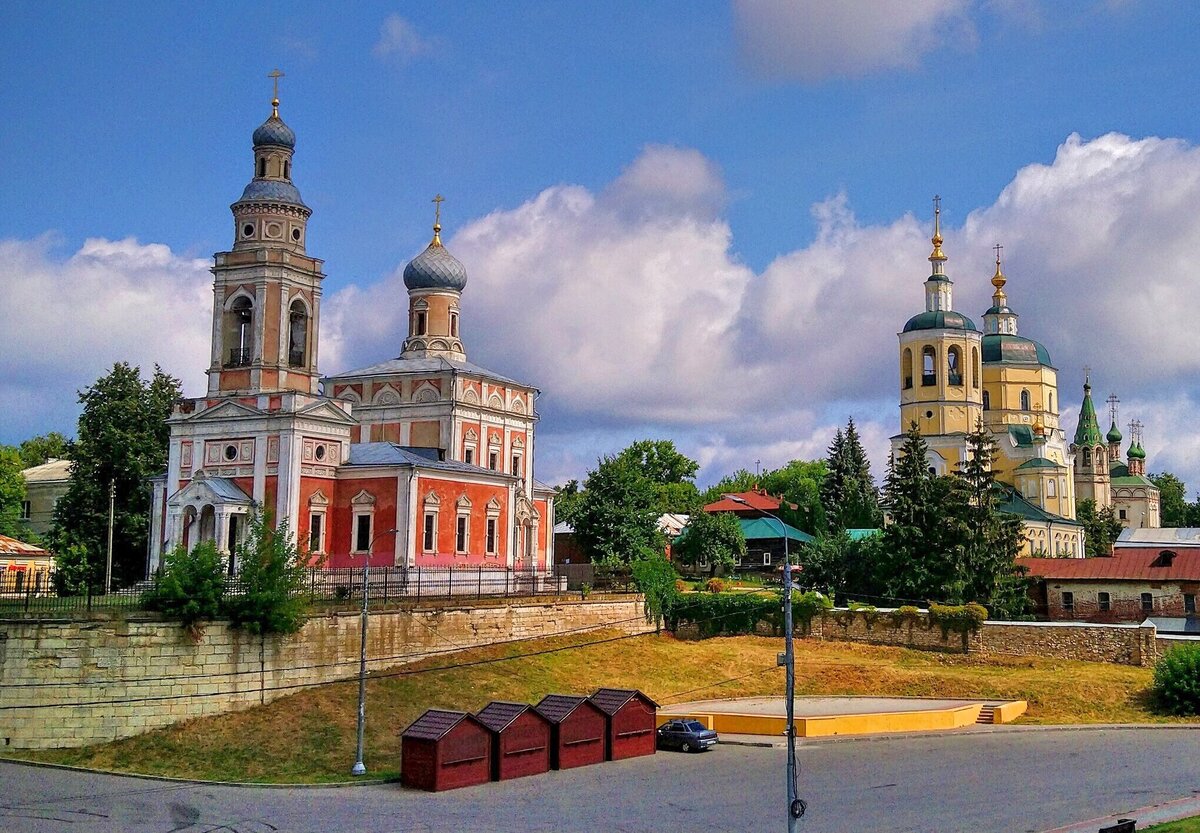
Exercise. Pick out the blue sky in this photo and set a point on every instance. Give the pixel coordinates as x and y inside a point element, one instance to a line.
<point>759,173</point>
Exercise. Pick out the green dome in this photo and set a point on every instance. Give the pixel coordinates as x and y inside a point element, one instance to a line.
<point>1007,349</point>
<point>1137,452</point>
<point>1114,434</point>
<point>939,320</point>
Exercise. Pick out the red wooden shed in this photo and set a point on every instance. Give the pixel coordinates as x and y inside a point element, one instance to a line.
<point>520,739</point>
<point>579,729</point>
<point>632,721</point>
<point>444,750</point>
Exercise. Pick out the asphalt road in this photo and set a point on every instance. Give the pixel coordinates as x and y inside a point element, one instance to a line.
<point>1007,781</point>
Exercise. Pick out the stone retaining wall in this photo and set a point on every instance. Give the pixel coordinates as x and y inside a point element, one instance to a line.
<point>70,683</point>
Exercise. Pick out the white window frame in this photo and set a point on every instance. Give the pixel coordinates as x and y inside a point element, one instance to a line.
<point>462,532</point>
<point>320,516</point>
<point>359,516</point>
<point>429,530</point>
<point>362,506</point>
<point>766,559</point>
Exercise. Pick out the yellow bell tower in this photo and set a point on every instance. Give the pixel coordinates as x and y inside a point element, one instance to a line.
<point>940,375</point>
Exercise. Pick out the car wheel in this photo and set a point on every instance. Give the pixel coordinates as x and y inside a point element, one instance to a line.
<point>686,747</point>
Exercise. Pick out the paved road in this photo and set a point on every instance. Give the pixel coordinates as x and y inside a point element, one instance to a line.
<point>1007,781</point>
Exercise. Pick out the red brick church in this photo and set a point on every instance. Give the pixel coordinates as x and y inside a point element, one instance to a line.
<point>427,444</point>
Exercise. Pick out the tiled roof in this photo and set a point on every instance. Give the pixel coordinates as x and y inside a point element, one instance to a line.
<point>1012,503</point>
<point>1127,563</point>
<point>435,365</point>
<point>756,498</point>
<point>558,707</point>
<point>435,723</point>
<point>497,715</point>
<point>11,546</point>
<point>610,700</point>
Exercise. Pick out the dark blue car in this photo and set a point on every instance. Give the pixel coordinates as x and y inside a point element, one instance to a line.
<point>686,735</point>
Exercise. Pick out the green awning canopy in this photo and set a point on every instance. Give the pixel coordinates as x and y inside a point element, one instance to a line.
<point>758,529</point>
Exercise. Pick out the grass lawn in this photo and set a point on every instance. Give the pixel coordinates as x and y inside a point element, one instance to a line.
<point>1191,825</point>
<point>310,736</point>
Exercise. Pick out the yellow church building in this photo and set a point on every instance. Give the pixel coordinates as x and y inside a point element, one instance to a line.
<point>953,376</point>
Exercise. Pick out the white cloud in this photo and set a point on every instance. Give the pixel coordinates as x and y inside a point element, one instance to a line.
<point>812,40</point>
<point>399,39</point>
<point>69,320</point>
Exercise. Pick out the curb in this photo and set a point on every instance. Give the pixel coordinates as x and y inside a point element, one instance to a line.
<point>170,779</point>
<point>1180,808</point>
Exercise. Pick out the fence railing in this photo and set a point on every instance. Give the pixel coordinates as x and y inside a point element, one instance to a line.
<point>337,585</point>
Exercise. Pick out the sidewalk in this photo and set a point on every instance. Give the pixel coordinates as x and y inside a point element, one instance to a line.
<point>1181,808</point>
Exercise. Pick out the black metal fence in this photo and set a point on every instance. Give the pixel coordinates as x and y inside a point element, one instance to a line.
<point>338,586</point>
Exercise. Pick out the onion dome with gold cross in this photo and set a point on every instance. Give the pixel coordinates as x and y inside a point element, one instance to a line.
<point>1001,344</point>
<point>435,268</point>
<point>939,297</point>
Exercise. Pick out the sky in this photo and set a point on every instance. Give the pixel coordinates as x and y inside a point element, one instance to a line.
<point>699,221</point>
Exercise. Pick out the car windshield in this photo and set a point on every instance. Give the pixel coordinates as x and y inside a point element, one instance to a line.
<point>693,726</point>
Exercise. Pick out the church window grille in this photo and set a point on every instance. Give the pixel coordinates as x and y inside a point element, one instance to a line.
<point>908,369</point>
<point>298,335</point>
<point>1025,406</point>
<point>362,532</point>
<point>928,366</point>
<point>429,537</point>
<point>954,366</point>
<point>975,367</point>
<point>987,401</point>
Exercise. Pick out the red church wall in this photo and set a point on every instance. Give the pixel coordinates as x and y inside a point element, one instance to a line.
<point>309,486</point>
<point>388,432</point>
<point>356,434</point>
<point>544,532</point>
<point>447,526</point>
<point>339,537</point>
<point>234,380</point>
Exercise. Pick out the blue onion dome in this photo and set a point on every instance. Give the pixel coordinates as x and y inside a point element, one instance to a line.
<point>435,268</point>
<point>939,320</point>
<point>274,132</point>
<point>1114,433</point>
<point>272,190</point>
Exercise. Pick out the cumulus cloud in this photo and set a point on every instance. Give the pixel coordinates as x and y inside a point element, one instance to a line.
<point>70,319</point>
<point>399,40</point>
<point>812,40</point>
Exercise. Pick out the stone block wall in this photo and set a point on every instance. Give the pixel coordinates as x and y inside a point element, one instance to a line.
<point>76,683</point>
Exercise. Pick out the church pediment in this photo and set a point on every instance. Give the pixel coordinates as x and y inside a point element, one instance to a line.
<point>228,409</point>
<point>217,491</point>
<point>326,410</point>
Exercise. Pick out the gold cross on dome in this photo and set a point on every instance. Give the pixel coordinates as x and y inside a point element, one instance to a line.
<point>997,249</point>
<point>437,209</point>
<point>275,75</point>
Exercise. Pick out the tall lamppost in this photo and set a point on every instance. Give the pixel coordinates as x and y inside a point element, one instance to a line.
<point>359,767</point>
<point>795,807</point>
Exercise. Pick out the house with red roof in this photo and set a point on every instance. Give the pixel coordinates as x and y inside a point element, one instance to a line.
<point>1130,586</point>
<point>24,568</point>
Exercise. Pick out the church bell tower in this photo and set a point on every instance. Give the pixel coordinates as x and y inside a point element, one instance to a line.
<point>267,290</point>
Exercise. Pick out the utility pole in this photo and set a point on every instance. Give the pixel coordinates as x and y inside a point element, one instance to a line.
<point>112,503</point>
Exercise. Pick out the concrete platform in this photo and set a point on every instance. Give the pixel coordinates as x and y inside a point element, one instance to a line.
<point>827,716</point>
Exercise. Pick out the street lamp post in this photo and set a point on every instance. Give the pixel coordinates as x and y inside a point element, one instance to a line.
<point>795,807</point>
<point>359,767</point>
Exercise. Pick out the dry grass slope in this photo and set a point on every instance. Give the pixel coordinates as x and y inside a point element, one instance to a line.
<point>310,736</point>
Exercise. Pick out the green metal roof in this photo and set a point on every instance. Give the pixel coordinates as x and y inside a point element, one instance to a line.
<point>939,320</point>
<point>1114,433</point>
<point>1022,435</point>
<point>759,529</point>
<point>1088,431</point>
<point>859,534</point>
<point>1040,463</point>
<point>1012,503</point>
<point>1000,348</point>
<point>1131,480</point>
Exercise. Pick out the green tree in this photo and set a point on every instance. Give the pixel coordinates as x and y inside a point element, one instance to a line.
<point>12,493</point>
<point>191,587</point>
<point>1172,499</point>
<point>1100,526</point>
<point>671,473</point>
<point>271,579</point>
<point>655,579</point>
<point>848,494</point>
<point>618,514</point>
<point>798,483</point>
<point>835,563</point>
<point>567,502</point>
<point>123,437</point>
<point>992,540</point>
<point>713,538</point>
<point>45,447</point>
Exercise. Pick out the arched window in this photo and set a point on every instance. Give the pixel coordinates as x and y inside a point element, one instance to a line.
<point>906,369</point>
<point>287,169</point>
<point>954,366</point>
<point>1050,402</point>
<point>1025,400</point>
<point>419,325</point>
<point>239,334</point>
<point>928,366</point>
<point>975,367</point>
<point>298,335</point>
<point>987,401</point>
<point>262,167</point>
<point>1087,457</point>
<point>1050,491</point>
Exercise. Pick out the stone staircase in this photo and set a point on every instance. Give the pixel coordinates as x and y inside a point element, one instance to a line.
<point>987,714</point>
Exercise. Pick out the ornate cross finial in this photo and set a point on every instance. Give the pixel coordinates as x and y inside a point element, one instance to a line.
<point>997,249</point>
<point>1113,401</point>
<point>275,75</point>
<point>437,211</point>
<point>1135,429</point>
<point>1087,375</point>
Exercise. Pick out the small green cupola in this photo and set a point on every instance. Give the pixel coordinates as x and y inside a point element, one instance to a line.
<point>1114,434</point>
<point>1087,433</point>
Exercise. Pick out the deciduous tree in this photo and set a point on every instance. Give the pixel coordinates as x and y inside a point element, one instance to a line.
<point>715,539</point>
<point>617,519</point>
<point>12,493</point>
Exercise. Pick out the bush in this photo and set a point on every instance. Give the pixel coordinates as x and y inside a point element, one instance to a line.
<point>272,577</point>
<point>905,615</point>
<point>868,612</point>
<point>1176,686</point>
<point>655,579</point>
<point>726,613</point>
<point>715,585</point>
<point>191,587</point>
<point>962,619</point>
<point>682,586</point>
<point>807,605</point>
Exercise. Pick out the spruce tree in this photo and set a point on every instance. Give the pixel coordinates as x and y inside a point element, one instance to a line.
<point>833,487</point>
<point>862,509</point>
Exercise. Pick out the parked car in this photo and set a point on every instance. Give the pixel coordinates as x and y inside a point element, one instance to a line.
<point>685,735</point>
